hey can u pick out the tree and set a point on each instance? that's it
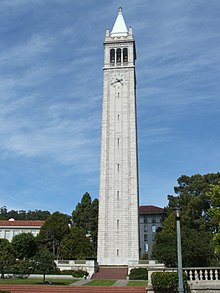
(164, 247)
(85, 216)
(43, 263)
(3, 213)
(25, 245)
(7, 256)
(76, 245)
(55, 228)
(214, 215)
(197, 242)
(23, 215)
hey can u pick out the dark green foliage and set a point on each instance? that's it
(213, 216)
(23, 215)
(76, 245)
(166, 281)
(20, 267)
(53, 231)
(79, 273)
(66, 272)
(43, 263)
(138, 274)
(7, 256)
(85, 216)
(5, 291)
(144, 256)
(25, 245)
(196, 225)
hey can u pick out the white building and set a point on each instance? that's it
(151, 218)
(11, 228)
(118, 231)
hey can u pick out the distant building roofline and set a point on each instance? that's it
(21, 223)
(150, 210)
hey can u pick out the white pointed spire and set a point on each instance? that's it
(119, 28)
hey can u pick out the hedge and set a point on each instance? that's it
(138, 274)
(167, 281)
(79, 273)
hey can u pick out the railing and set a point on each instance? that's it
(198, 278)
(203, 274)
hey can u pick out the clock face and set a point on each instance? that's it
(117, 80)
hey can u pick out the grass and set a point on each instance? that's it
(137, 283)
(100, 283)
(30, 281)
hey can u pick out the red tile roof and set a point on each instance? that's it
(25, 223)
(150, 210)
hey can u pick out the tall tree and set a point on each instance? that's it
(55, 228)
(76, 245)
(85, 216)
(25, 245)
(43, 263)
(213, 215)
(197, 243)
(7, 256)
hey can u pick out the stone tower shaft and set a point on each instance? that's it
(118, 232)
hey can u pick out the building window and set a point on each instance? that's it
(118, 142)
(153, 220)
(7, 234)
(117, 195)
(15, 232)
(117, 252)
(112, 56)
(145, 219)
(145, 237)
(146, 247)
(118, 117)
(118, 167)
(153, 228)
(125, 55)
(145, 228)
(118, 55)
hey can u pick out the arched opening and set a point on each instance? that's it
(118, 55)
(125, 55)
(112, 56)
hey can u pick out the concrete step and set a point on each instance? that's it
(111, 273)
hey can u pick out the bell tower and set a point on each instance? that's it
(118, 230)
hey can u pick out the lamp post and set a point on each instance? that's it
(177, 212)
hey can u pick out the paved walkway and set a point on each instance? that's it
(120, 283)
(80, 282)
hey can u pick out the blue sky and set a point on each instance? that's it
(51, 60)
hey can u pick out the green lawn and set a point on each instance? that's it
(137, 283)
(100, 283)
(30, 281)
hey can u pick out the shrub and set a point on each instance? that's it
(67, 272)
(79, 273)
(138, 274)
(166, 281)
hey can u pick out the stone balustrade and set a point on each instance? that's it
(203, 274)
(199, 278)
